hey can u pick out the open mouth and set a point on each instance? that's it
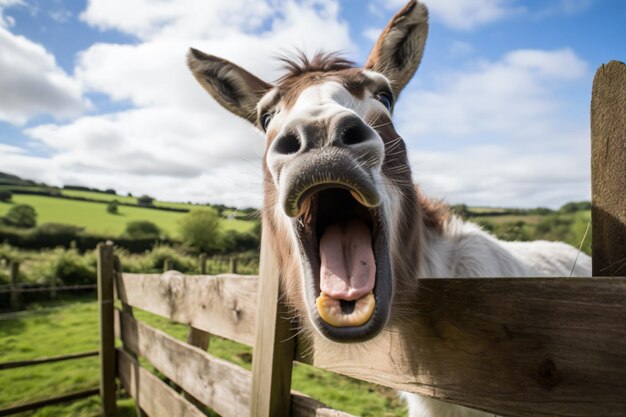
(343, 244)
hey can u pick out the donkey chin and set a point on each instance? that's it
(341, 235)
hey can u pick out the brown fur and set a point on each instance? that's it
(292, 86)
(436, 212)
(321, 62)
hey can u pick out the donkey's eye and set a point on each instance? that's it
(265, 120)
(385, 99)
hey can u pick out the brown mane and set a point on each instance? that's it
(321, 62)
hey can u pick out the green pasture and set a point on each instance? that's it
(72, 326)
(534, 219)
(58, 329)
(479, 210)
(123, 199)
(511, 218)
(94, 217)
(21, 188)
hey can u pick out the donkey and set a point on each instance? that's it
(352, 233)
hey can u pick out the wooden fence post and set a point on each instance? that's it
(168, 265)
(15, 279)
(233, 265)
(53, 287)
(274, 345)
(200, 339)
(202, 261)
(106, 274)
(608, 170)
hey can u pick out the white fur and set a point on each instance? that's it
(464, 250)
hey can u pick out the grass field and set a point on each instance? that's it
(59, 330)
(487, 209)
(94, 217)
(512, 218)
(123, 199)
(71, 327)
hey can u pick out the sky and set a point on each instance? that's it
(97, 92)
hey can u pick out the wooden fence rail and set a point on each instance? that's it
(515, 347)
(39, 361)
(22, 289)
(50, 401)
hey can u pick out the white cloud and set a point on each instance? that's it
(162, 141)
(236, 183)
(32, 83)
(4, 148)
(558, 7)
(29, 167)
(8, 21)
(460, 49)
(372, 34)
(506, 176)
(154, 71)
(514, 94)
(468, 14)
(178, 143)
(60, 15)
(495, 133)
(183, 18)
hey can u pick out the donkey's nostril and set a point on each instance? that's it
(287, 144)
(353, 133)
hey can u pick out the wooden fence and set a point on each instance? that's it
(17, 289)
(515, 347)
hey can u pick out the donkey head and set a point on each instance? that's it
(339, 200)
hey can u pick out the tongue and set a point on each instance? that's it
(348, 266)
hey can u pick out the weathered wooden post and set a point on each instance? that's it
(274, 345)
(15, 285)
(200, 339)
(608, 170)
(168, 265)
(233, 265)
(202, 261)
(106, 272)
(53, 287)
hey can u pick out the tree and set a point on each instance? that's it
(21, 215)
(145, 201)
(199, 229)
(574, 206)
(112, 207)
(5, 196)
(142, 229)
(460, 210)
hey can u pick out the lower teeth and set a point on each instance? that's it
(339, 314)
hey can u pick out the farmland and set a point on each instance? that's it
(92, 195)
(94, 218)
(70, 326)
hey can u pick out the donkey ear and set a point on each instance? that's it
(233, 87)
(400, 47)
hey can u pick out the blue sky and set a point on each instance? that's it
(96, 92)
